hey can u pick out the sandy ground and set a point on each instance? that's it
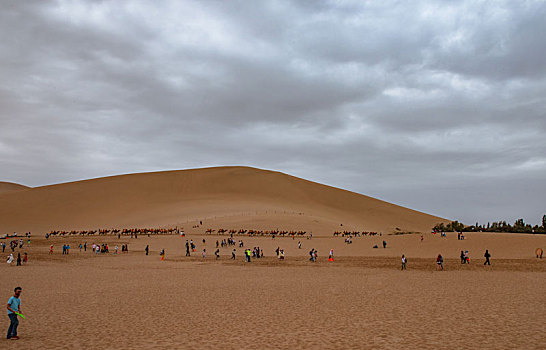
(361, 301)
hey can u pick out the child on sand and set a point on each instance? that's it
(14, 308)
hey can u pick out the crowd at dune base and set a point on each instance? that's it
(191, 248)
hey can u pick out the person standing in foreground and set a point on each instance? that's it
(14, 305)
(487, 256)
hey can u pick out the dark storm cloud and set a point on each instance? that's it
(432, 105)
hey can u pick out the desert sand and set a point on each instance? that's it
(6, 187)
(362, 300)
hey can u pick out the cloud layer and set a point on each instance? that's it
(437, 106)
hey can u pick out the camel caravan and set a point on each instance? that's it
(354, 233)
(272, 233)
(125, 232)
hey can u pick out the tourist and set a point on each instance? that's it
(10, 258)
(3, 247)
(25, 258)
(299, 244)
(466, 257)
(18, 259)
(217, 253)
(187, 248)
(147, 249)
(204, 253)
(331, 255)
(487, 256)
(51, 249)
(14, 308)
(440, 262)
(404, 261)
(233, 254)
(384, 244)
(463, 260)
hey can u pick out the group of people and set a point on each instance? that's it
(20, 259)
(280, 253)
(465, 259)
(14, 244)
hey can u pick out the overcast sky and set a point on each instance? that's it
(434, 105)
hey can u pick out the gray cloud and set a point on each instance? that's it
(435, 106)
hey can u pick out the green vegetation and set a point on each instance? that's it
(519, 226)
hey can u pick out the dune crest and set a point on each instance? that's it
(235, 196)
(6, 187)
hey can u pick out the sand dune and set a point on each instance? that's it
(6, 187)
(236, 196)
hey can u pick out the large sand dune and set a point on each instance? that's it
(234, 196)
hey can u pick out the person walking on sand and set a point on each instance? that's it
(147, 249)
(14, 307)
(440, 262)
(3, 247)
(404, 261)
(331, 255)
(19, 259)
(462, 258)
(187, 248)
(487, 256)
(233, 254)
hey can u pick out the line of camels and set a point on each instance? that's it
(220, 231)
(125, 231)
(354, 233)
(251, 232)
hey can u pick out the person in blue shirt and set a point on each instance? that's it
(14, 306)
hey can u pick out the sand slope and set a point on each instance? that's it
(233, 196)
(6, 187)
